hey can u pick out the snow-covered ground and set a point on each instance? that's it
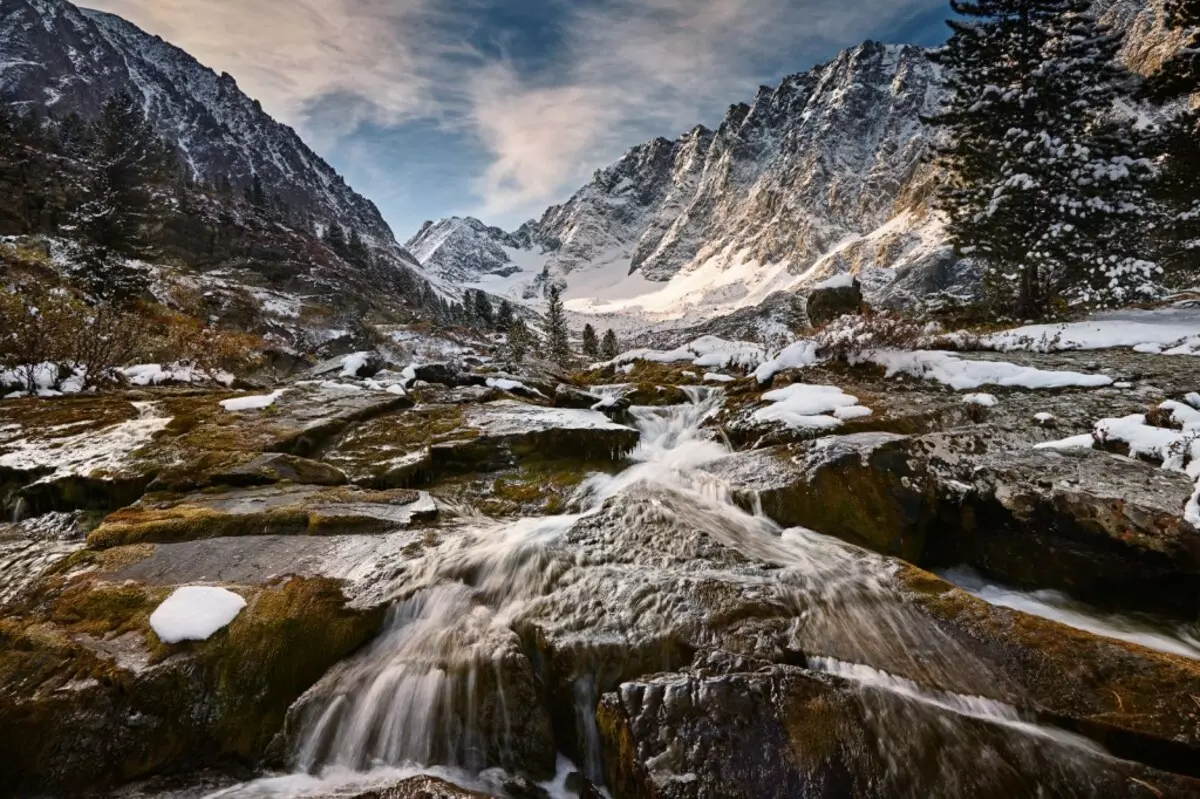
(1168, 331)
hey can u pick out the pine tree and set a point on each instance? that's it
(557, 333)
(591, 344)
(609, 348)
(518, 341)
(356, 250)
(504, 316)
(1178, 189)
(483, 309)
(335, 238)
(256, 194)
(1044, 188)
(128, 161)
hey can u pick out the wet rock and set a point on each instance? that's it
(278, 467)
(448, 375)
(431, 441)
(566, 396)
(89, 697)
(826, 304)
(782, 731)
(864, 488)
(437, 394)
(1101, 527)
(422, 787)
(271, 510)
(1133, 700)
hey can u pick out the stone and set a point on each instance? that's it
(448, 375)
(826, 304)
(278, 467)
(269, 510)
(422, 787)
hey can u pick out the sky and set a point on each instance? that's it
(500, 108)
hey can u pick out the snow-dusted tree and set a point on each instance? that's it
(483, 309)
(128, 162)
(504, 316)
(609, 348)
(357, 252)
(335, 238)
(1046, 186)
(518, 341)
(558, 336)
(1178, 189)
(591, 343)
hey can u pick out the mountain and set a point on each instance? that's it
(820, 175)
(63, 59)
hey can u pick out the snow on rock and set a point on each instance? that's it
(88, 452)
(713, 377)
(1166, 331)
(706, 351)
(795, 356)
(253, 403)
(506, 384)
(1044, 418)
(842, 281)
(154, 374)
(807, 406)
(960, 374)
(1084, 441)
(334, 385)
(194, 613)
(985, 400)
(353, 363)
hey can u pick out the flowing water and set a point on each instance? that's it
(443, 688)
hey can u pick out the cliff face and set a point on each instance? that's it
(67, 59)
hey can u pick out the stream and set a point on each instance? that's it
(437, 692)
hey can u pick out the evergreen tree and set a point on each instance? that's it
(504, 316)
(128, 161)
(609, 348)
(483, 309)
(255, 193)
(518, 341)
(557, 333)
(591, 344)
(1044, 187)
(335, 238)
(356, 250)
(1178, 189)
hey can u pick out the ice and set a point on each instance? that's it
(961, 374)
(194, 613)
(253, 403)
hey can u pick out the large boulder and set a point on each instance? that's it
(91, 698)
(747, 729)
(826, 303)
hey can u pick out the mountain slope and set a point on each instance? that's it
(66, 59)
(820, 174)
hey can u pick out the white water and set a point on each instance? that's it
(1057, 606)
(440, 690)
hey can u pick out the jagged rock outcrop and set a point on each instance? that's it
(66, 59)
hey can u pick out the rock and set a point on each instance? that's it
(423, 787)
(782, 731)
(827, 304)
(864, 488)
(432, 441)
(566, 396)
(361, 365)
(1101, 527)
(448, 375)
(277, 467)
(437, 394)
(90, 698)
(271, 510)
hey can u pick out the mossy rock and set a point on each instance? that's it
(90, 698)
(273, 510)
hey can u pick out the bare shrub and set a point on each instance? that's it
(848, 337)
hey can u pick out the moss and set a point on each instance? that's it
(188, 523)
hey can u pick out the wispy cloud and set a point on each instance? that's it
(605, 74)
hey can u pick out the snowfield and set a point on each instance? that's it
(1165, 331)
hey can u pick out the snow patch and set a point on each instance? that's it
(194, 613)
(949, 369)
(810, 407)
(254, 403)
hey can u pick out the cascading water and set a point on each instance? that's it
(443, 685)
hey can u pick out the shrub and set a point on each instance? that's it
(847, 337)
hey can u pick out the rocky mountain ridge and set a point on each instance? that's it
(821, 175)
(63, 59)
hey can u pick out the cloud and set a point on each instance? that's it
(546, 92)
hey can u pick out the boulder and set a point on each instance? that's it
(270, 510)
(751, 729)
(422, 787)
(865, 488)
(828, 303)
(567, 396)
(448, 375)
(278, 467)
(90, 698)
